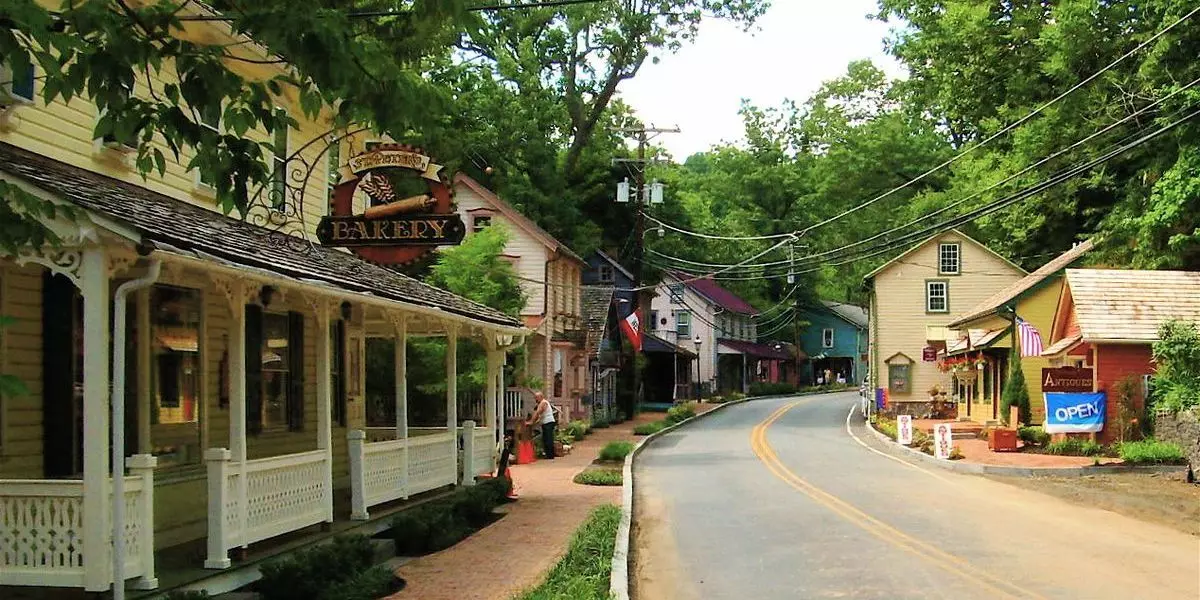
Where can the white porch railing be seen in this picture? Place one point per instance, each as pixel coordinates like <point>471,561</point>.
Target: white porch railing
<point>378,472</point>
<point>514,403</point>
<point>432,462</point>
<point>42,529</point>
<point>269,497</point>
<point>484,452</point>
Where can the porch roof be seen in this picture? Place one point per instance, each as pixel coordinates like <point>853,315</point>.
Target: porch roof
<point>755,349</point>
<point>1062,346</point>
<point>977,339</point>
<point>653,343</point>
<point>162,219</point>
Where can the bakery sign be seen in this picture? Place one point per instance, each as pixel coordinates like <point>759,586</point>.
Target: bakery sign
<point>391,229</point>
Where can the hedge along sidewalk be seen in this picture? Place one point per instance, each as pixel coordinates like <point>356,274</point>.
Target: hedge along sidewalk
<point>619,579</point>
<point>515,553</point>
<point>965,466</point>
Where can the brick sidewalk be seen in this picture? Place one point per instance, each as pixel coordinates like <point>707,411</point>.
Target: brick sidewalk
<point>515,553</point>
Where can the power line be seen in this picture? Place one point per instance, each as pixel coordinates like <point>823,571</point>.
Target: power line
<point>708,236</point>
<point>1008,128</point>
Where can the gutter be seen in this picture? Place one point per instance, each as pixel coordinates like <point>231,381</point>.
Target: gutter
<point>118,420</point>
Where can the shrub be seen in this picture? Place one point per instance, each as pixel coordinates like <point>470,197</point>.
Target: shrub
<point>442,523</point>
<point>680,413</point>
<point>1176,381</point>
<point>649,428</point>
<point>577,429</point>
<point>614,451</point>
<point>762,388</point>
<point>956,453</point>
<point>1016,394</point>
<point>736,396</point>
<point>886,427</point>
<point>716,400</point>
<point>1033,435</point>
<point>373,583</point>
<point>1075,447</point>
<point>599,477</point>
<point>1151,451</point>
<point>306,573</point>
<point>187,595</point>
<point>583,574</point>
<point>600,423</point>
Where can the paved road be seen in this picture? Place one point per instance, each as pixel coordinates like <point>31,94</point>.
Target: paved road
<point>765,501</point>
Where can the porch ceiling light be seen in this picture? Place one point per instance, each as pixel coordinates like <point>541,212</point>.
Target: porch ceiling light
<point>347,310</point>
<point>266,295</point>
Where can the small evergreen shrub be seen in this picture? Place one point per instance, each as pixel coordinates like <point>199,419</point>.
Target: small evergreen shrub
<point>614,451</point>
<point>1033,435</point>
<point>599,477</point>
<point>649,428</point>
<point>1074,447</point>
<point>374,583</point>
<point>680,412</point>
<point>577,430</point>
<point>762,388</point>
<point>304,574</point>
<point>1152,452</point>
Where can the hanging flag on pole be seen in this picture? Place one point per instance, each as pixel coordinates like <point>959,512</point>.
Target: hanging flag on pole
<point>1031,340</point>
<point>632,326</point>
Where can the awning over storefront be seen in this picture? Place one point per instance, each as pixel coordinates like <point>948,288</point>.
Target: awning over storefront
<point>764,351</point>
<point>1062,346</point>
<point>977,339</point>
<point>653,343</point>
<point>189,230</point>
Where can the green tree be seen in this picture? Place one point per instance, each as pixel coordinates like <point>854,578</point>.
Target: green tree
<point>475,270</point>
<point>1016,393</point>
<point>1176,381</point>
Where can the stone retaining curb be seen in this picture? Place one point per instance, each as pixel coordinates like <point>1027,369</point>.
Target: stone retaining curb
<point>618,581</point>
<point>979,469</point>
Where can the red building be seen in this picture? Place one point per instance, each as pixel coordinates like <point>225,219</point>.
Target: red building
<point>1108,320</point>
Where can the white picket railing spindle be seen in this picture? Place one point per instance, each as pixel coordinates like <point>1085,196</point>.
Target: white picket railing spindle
<point>283,494</point>
<point>41,531</point>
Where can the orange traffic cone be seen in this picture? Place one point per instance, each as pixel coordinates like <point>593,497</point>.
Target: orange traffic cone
<point>525,453</point>
<point>512,488</point>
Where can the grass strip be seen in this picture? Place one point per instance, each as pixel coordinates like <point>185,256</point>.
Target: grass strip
<point>583,573</point>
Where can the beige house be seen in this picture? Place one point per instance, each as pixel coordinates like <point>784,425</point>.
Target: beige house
<point>913,298</point>
<point>552,278</point>
<point>221,361</point>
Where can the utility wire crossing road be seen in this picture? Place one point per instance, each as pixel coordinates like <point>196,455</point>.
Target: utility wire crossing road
<point>790,499</point>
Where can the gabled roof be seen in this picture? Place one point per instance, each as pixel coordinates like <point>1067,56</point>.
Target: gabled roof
<point>755,349</point>
<point>716,294</point>
<point>991,305</point>
<point>516,217</point>
<point>198,231</point>
<point>1129,306</point>
<point>855,315</point>
<point>616,265</point>
<point>596,303</point>
<point>933,237</point>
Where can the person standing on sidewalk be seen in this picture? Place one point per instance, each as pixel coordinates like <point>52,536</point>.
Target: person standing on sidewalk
<point>544,414</point>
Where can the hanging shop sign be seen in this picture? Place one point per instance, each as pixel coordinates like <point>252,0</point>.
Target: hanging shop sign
<point>390,229</point>
<point>929,354</point>
<point>1068,379</point>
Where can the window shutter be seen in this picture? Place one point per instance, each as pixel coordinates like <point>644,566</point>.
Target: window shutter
<point>254,346</point>
<point>339,367</point>
<point>295,393</point>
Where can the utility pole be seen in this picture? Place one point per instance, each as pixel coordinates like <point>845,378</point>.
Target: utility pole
<point>641,297</point>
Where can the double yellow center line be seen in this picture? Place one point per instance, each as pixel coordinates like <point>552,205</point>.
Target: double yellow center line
<point>943,560</point>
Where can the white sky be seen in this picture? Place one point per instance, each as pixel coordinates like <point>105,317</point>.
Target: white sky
<point>794,47</point>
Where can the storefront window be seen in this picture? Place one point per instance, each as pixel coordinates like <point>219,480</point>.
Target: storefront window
<point>175,374</point>
<point>275,372</point>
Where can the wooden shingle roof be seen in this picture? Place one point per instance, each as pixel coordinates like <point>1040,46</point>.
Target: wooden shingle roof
<point>989,306</point>
<point>1128,305</point>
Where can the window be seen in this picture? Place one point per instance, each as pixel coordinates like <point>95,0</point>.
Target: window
<point>949,259</point>
<point>899,378</point>
<point>279,150</point>
<point>606,274</point>
<point>15,88</point>
<point>653,320</point>
<point>675,291</point>
<point>723,324</point>
<point>683,324</point>
<point>121,138</point>
<point>937,296</point>
<point>827,338</point>
<point>558,373</point>
<point>175,401</point>
<point>274,370</point>
<point>479,222</point>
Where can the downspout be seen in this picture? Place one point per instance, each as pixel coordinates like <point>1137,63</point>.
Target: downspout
<point>118,420</point>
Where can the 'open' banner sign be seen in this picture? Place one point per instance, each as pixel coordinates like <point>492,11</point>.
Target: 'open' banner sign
<point>1074,412</point>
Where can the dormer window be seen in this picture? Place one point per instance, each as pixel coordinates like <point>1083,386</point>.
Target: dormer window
<point>949,259</point>
<point>606,274</point>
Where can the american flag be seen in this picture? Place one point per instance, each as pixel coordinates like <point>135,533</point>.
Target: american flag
<point>1031,340</point>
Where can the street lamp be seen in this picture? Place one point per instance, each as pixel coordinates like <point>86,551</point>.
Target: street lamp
<point>697,341</point>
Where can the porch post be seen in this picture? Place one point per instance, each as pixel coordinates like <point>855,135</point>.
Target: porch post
<point>237,402</point>
<point>492,388</point>
<point>142,467</point>
<point>401,374</point>
<point>358,490</point>
<point>746,375</point>
<point>93,285</point>
<point>324,418</point>
<point>452,391</point>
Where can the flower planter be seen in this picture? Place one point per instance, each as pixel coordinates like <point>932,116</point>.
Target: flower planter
<point>1002,440</point>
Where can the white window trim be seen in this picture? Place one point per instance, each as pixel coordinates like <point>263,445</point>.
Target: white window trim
<point>827,333</point>
<point>688,323</point>
<point>957,258</point>
<point>945,296</point>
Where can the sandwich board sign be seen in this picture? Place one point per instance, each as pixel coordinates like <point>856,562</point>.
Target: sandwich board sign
<point>904,432</point>
<point>943,441</point>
